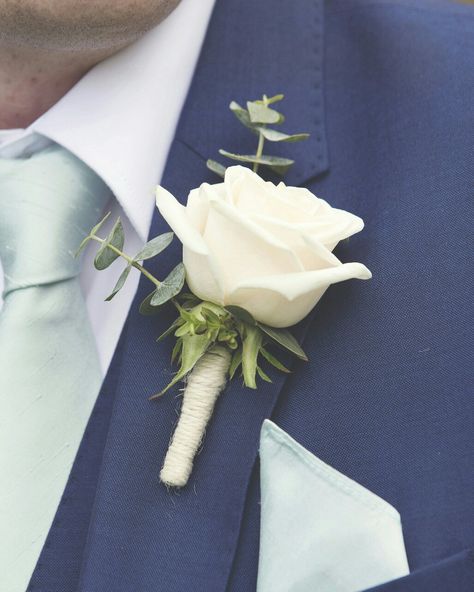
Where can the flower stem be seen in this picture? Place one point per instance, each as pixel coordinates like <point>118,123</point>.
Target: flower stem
<point>261,141</point>
<point>130,260</point>
<point>204,384</point>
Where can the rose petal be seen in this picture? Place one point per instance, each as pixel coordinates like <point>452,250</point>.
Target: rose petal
<point>197,209</point>
<point>301,239</point>
<point>283,300</point>
<point>175,214</point>
<point>204,277</point>
<point>251,194</point>
<point>242,248</point>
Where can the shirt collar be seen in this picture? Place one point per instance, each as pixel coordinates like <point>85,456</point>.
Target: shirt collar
<point>120,118</point>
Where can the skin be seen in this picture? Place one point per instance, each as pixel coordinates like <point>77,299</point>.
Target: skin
<point>46,46</point>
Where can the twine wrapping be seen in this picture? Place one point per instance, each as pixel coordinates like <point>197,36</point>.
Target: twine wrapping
<point>205,383</point>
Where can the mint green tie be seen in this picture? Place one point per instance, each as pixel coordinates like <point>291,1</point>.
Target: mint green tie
<point>49,367</point>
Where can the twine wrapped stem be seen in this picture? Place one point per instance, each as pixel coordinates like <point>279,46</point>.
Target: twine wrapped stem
<point>204,384</point>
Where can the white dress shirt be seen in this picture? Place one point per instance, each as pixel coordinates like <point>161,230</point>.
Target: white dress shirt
<point>120,119</point>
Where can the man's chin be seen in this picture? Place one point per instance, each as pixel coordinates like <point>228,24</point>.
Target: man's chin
<point>61,25</point>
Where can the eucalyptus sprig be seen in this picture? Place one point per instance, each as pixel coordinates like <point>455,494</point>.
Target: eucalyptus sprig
<point>111,248</point>
<point>200,325</point>
<point>257,117</point>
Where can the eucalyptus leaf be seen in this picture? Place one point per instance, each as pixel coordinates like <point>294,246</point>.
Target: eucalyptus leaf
<point>193,348</point>
<point>216,167</point>
<point>146,308</point>
<point>274,99</point>
<point>92,233</point>
<point>241,314</point>
<point>105,256</point>
<point>260,113</point>
<point>275,136</point>
<point>120,283</point>
<point>99,225</point>
<point>285,339</point>
<point>250,349</point>
<point>276,163</point>
<point>242,115</point>
<point>170,286</point>
<point>281,169</point>
<point>155,246</point>
<point>82,246</point>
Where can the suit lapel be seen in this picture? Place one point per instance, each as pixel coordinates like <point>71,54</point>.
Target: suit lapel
<point>142,537</point>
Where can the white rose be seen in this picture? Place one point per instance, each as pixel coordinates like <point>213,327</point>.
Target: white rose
<point>262,247</point>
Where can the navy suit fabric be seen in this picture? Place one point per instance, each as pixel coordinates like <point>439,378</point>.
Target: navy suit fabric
<point>386,89</point>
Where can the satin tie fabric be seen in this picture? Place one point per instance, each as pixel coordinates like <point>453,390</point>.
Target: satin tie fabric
<point>49,367</point>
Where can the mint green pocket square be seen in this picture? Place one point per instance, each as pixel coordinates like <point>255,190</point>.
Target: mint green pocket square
<point>320,530</point>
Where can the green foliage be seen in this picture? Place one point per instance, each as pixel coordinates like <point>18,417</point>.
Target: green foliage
<point>260,113</point>
<point>155,246</point>
<point>170,286</point>
<point>92,233</point>
<point>241,314</point>
<point>111,248</point>
<point>276,163</point>
<point>120,283</point>
<point>275,136</point>
<point>216,167</point>
<point>257,117</point>
<point>105,256</point>
<point>251,344</point>
<point>284,339</point>
<point>202,325</point>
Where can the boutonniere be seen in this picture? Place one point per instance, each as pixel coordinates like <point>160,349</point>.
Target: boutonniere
<point>257,257</point>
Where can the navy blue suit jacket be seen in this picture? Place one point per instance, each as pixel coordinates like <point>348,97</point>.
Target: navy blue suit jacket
<point>386,90</point>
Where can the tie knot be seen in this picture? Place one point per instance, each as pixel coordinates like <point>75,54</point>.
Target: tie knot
<point>48,203</point>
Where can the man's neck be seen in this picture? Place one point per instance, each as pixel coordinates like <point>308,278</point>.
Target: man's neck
<point>33,80</point>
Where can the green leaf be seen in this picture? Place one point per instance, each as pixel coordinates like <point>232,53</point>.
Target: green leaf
<point>184,329</point>
<point>274,99</point>
<point>106,256</point>
<point>176,353</point>
<point>259,113</point>
<point>273,361</point>
<point>235,363</point>
<point>262,375</point>
<point>275,136</point>
<point>99,225</point>
<point>276,163</point>
<point>216,167</point>
<point>146,308</point>
<point>92,233</point>
<point>241,314</point>
<point>120,283</point>
<point>194,347</point>
<point>177,323</point>
<point>242,115</point>
<point>170,286</point>
<point>285,339</point>
<point>217,309</point>
<point>82,246</point>
<point>155,246</point>
<point>250,348</point>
